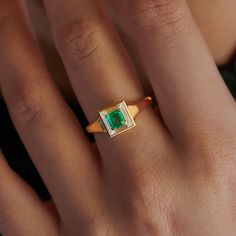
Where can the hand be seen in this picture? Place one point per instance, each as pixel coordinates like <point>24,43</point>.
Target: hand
<point>174,174</point>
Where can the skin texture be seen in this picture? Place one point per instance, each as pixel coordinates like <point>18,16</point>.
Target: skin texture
<point>216,22</point>
<point>174,174</point>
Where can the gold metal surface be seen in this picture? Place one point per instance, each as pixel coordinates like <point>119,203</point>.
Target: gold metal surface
<point>133,109</point>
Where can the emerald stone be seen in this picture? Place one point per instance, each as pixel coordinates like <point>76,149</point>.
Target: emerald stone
<point>116,119</point>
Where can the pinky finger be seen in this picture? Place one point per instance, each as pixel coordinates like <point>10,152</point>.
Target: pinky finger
<point>21,211</point>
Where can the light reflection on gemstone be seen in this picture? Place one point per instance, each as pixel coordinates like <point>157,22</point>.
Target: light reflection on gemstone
<point>117,119</point>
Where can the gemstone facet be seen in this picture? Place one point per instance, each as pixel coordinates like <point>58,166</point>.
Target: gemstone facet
<point>116,119</point>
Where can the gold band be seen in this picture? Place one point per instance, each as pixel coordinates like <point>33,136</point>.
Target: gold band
<point>129,113</point>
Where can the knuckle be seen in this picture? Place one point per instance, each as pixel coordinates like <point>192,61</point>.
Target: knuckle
<point>90,226</point>
<point>214,160</point>
<point>148,194</point>
<point>27,106</point>
<point>166,17</point>
<point>81,38</point>
<point>146,187</point>
<point>154,13</point>
<point>97,229</point>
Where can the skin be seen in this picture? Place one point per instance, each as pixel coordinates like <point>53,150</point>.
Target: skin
<point>215,21</point>
<point>217,24</point>
<point>171,175</point>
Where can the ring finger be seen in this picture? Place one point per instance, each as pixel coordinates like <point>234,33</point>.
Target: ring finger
<point>97,62</point>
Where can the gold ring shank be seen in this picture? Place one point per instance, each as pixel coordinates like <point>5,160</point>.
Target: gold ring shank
<point>133,108</point>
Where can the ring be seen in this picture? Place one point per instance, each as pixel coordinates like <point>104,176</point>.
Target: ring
<point>118,118</point>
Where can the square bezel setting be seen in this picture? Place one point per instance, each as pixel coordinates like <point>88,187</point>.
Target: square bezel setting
<point>117,119</point>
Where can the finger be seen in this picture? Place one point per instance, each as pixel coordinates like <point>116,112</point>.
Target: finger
<point>87,44</point>
<point>192,96</point>
<point>100,72</point>
<point>50,132</point>
<point>22,212</point>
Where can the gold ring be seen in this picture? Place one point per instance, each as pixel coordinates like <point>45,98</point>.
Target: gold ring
<point>118,118</point>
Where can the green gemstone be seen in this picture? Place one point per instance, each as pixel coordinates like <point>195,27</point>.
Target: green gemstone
<point>116,119</point>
